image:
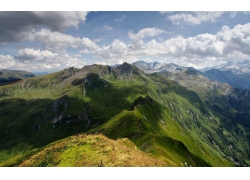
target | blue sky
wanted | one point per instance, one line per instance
(52, 41)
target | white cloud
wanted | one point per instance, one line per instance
(146, 32)
(199, 51)
(167, 12)
(7, 62)
(236, 39)
(37, 60)
(97, 40)
(120, 19)
(117, 47)
(77, 55)
(28, 54)
(204, 45)
(89, 44)
(107, 28)
(233, 14)
(54, 40)
(194, 18)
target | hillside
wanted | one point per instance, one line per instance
(173, 123)
(241, 81)
(91, 151)
(11, 76)
(235, 74)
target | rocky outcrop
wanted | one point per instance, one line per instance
(93, 81)
(126, 70)
(141, 100)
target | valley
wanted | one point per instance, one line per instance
(171, 118)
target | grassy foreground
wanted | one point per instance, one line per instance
(91, 151)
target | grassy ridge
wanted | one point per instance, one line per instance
(150, 128)
(90, 151)
(169, 121)
(229, 107)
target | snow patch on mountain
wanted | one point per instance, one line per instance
(158, 67)
(236, 68)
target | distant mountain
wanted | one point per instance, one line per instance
(236, 68)
(41, 73)
(235, 74)
(158, 67)
(155, 66)
(10, 76)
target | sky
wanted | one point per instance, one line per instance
(49, 41)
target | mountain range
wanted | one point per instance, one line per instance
(235, 74)
(175, 116)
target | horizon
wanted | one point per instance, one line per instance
(41, 73)
(52, 41)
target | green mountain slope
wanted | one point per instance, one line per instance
(161, 117)
(10, 76)
(90, 151)
(230, 105)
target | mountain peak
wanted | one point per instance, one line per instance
(245, 62)
(235, 67)
(127, 69)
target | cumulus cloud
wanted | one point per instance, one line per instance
(89, 44)
(16, 26)
(194, 18)
(117, 47)
(56, 41)
(146, 32)
(236, 39)
(198, 51)
(28, 54)
(37, 60)
(7, 62)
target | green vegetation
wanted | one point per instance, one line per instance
(91, 151)
(11, 76)
(175, 124)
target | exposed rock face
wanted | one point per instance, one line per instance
(126, 70)
(158, 67)
(70, 72)
(141, 100)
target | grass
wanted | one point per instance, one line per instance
(173, 115)
(152, 120)
(90, 151)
